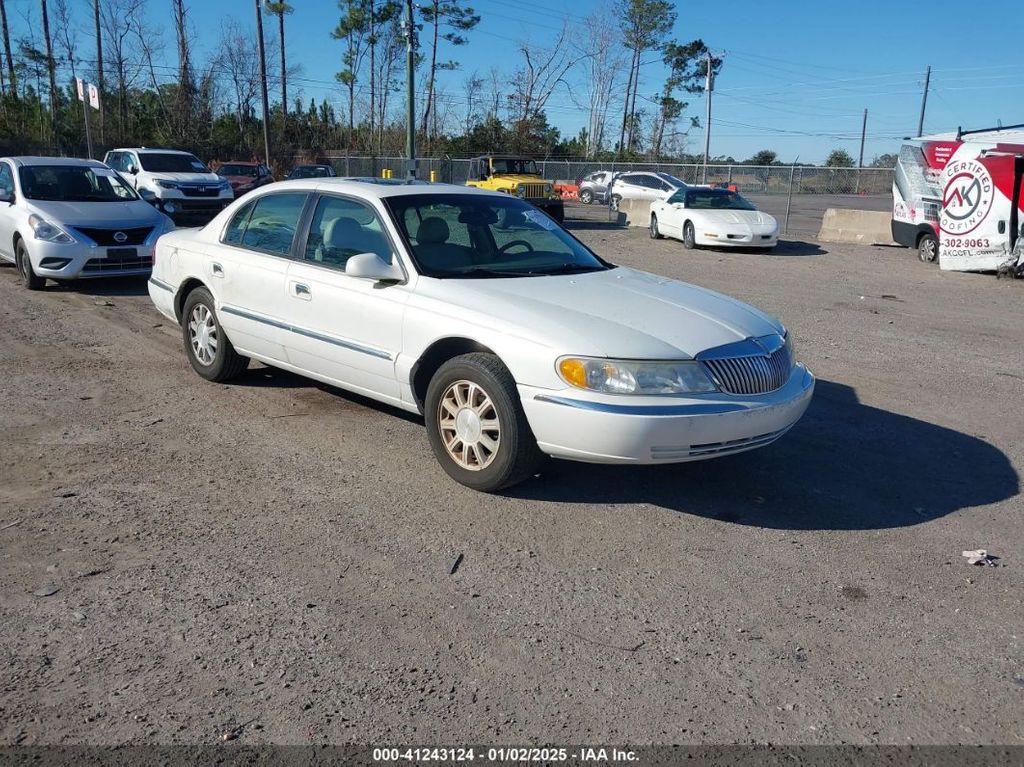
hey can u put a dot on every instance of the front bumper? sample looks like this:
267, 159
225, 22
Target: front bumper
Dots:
584, 426
79, 260
736, 237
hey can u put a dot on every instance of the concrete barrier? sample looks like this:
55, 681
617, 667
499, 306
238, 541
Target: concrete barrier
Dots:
866, 227
636, 212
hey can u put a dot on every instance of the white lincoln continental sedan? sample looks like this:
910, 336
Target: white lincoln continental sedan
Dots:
479, 311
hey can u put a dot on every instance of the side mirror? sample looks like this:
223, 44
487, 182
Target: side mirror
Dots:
132, 169
148, 195
370, 266
7, 195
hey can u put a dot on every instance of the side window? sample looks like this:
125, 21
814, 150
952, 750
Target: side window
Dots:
6, 179
234, 231
114, 161
272, 224
342, 228
629, 178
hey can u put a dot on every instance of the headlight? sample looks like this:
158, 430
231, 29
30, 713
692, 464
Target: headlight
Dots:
520, 190
790, 348
225, 184
44, 230
635, 376
548, 189
167, 184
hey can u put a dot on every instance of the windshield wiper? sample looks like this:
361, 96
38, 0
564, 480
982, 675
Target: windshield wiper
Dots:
481, 271
571, 269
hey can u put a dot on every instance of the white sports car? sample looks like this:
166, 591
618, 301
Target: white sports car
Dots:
482, 313
716, 217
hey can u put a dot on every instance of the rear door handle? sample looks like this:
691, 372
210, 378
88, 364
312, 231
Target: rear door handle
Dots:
217, 269
301, 291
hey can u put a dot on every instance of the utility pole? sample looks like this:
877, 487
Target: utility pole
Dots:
924, 100
708, 86
410, 93
863, 134
263, 83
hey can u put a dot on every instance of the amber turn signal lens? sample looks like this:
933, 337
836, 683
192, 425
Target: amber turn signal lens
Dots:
574, 371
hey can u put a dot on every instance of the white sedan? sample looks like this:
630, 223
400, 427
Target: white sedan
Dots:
477, 310
716, 217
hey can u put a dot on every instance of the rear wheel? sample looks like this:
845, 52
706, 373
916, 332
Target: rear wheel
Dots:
29, 278
689, 236
207, 347
928, 248
655, 234
586, 196
476, 424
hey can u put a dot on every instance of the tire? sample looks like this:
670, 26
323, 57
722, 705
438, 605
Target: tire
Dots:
586, 197
655, 234
689, 236
216, 361
481, 386
928, 249
29, 278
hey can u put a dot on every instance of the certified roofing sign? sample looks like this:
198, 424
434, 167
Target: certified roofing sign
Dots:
967, 198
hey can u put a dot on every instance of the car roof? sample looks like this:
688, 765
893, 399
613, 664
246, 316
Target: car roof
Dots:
151, 149
374, 188
23, 161
241, 162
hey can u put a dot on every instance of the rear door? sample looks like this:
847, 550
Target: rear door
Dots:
7, 212
248, 272
345, 329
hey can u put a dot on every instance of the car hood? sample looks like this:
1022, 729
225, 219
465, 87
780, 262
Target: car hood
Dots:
734, 216
239, 180
186, 178
519, 178
620, 312
131, 213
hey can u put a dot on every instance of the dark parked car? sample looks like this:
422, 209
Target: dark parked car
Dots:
245, 176
311, 171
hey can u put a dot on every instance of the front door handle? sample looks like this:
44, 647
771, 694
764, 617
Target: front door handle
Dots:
217, 269
301, 291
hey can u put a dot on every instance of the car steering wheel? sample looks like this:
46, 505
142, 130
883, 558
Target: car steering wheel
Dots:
508, 245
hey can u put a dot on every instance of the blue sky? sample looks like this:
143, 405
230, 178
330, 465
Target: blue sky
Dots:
796, 78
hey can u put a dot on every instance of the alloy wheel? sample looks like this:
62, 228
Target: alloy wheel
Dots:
202, 330
468, 422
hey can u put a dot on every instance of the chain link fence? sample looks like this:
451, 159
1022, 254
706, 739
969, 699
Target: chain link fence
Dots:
748, 179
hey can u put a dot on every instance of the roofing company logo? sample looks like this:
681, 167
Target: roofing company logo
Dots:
967, 198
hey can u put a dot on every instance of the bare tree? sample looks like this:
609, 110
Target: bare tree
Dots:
473, 87
456, 19
602, 59
52, 68
186, 90
12, 77
542, 71
120, 19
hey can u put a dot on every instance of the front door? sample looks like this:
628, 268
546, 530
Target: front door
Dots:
345, 329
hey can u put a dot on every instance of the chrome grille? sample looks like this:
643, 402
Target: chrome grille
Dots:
758, 373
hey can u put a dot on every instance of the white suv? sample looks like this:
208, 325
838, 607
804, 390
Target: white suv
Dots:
178, 183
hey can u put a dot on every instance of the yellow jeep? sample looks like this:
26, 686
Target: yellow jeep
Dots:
519, 176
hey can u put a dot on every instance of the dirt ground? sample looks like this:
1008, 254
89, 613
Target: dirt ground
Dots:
271, 558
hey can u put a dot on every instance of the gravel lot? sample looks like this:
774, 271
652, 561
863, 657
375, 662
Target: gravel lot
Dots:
271, 559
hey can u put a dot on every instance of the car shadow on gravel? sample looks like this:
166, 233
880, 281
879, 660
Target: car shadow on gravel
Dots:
104, 286
844, 466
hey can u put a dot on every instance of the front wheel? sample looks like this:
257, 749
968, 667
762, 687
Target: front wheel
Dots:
928, 248
29, 278
476, 424
689, 236
207, 347
655, 234
586, 197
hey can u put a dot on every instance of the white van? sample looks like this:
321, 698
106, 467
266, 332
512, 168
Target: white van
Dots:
957, 198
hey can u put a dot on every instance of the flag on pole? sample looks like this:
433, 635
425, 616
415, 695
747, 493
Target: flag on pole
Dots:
94, 96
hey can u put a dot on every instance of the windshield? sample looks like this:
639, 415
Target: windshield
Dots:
171, 162
73, 183
310, 171
473, 236
514, 165
237, 170
712, 199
